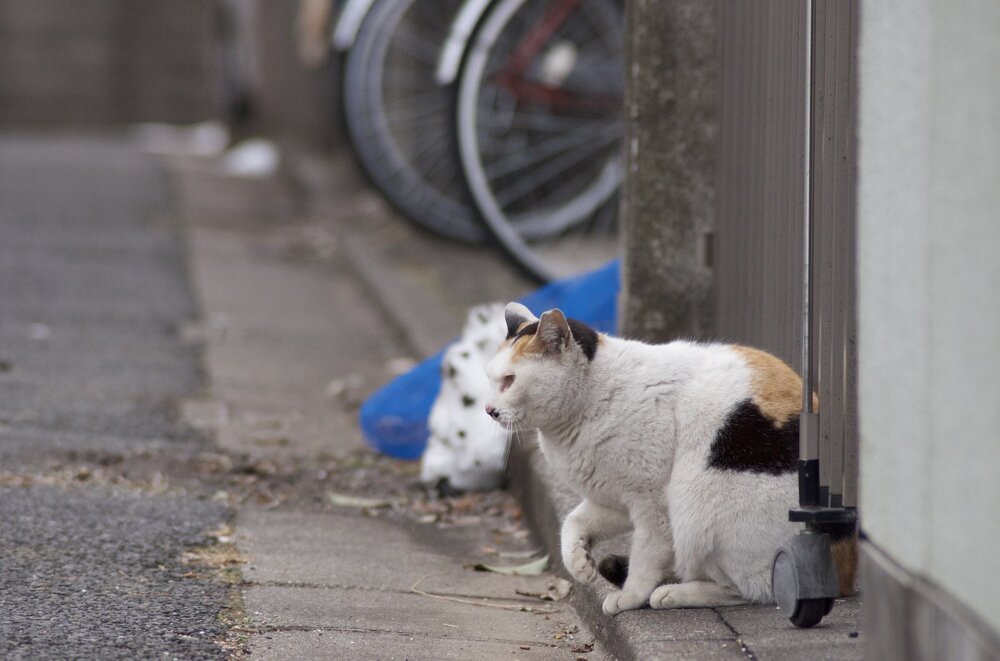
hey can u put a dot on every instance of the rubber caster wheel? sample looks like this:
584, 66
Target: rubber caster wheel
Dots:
809, 612
804, 579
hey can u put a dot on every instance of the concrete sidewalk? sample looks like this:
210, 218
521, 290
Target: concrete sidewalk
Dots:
346, 557
308, 306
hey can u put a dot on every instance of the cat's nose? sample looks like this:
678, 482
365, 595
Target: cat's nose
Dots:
492, 412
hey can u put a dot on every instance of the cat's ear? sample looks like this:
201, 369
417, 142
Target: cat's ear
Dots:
553, 330
516, 315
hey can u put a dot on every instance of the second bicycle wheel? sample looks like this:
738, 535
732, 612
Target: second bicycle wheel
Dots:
401, 122
540, 125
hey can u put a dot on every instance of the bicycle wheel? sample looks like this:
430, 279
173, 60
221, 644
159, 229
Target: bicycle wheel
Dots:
401, 122
539, 126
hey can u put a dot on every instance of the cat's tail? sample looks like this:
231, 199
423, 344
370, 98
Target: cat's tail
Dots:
614, 569
845, 557
844, 549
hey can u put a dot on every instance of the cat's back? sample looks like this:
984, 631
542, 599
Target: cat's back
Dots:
739, 411
717, 370
705, 384
680, 368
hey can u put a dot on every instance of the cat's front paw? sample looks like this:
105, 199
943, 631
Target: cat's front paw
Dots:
579, 563
623, 600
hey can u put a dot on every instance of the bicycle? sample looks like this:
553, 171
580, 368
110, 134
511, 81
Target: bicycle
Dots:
399, 120
539, 127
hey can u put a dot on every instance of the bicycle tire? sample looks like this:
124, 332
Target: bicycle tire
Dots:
528, 234
407, 150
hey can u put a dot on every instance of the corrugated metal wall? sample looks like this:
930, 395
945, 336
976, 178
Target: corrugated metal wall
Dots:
758, 241
759, 234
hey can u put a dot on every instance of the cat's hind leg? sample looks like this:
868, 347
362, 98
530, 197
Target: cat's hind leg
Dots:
586, 524
694, 594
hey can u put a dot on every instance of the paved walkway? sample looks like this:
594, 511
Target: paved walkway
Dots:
294, 340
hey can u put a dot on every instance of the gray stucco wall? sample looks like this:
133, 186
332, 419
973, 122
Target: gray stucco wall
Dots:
929, 291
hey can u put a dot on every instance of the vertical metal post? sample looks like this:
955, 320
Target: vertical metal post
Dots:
804, 578
809, 421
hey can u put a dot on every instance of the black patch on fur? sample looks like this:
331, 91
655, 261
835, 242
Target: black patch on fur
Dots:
513, 321
614, 569
749, 442
530, 329
584, 335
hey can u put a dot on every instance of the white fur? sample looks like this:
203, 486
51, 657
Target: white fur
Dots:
466, 447
631, 432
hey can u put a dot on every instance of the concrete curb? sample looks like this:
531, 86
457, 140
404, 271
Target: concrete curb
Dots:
399, 309
422, 283
544, 508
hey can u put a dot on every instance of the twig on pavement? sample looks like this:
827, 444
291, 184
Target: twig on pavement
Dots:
485, 603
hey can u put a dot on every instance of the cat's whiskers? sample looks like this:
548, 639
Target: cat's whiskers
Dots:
515, 429
511, 426
506, 450
521, 432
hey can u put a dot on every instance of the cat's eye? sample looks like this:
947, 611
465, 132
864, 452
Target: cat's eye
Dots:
506, 383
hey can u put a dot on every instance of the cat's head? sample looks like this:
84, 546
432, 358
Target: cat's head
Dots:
538, 368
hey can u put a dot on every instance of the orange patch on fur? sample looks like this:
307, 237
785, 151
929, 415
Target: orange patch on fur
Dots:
514, 339
776, 387
845, 557
526, 345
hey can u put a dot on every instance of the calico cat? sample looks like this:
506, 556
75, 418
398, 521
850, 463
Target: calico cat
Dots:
693, 447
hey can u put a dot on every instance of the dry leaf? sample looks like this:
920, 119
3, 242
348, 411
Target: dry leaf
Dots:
558, 589
344, 500
533, 568
514, 555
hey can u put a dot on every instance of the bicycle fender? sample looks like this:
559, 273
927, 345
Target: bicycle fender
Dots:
453, 50
349, 22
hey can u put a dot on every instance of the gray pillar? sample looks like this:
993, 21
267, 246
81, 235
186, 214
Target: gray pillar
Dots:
669, 195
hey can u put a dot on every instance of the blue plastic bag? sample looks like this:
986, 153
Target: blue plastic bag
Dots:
394, 418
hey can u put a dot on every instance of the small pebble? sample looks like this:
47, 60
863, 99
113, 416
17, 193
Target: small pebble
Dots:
525, 647
854, 634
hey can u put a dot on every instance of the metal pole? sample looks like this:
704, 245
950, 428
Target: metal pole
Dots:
812, 510
807, 228
809, 493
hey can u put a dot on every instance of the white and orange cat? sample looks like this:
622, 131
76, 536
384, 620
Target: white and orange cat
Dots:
693, 447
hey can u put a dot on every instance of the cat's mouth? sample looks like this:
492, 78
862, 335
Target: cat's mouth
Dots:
508, 420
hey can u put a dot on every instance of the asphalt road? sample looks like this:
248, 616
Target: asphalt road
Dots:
93, 294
